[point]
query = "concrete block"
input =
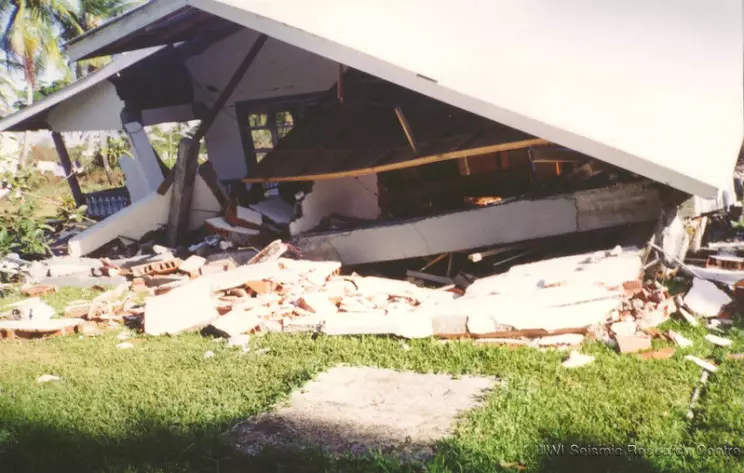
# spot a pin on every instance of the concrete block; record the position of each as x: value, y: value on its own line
x: 192, y: 264
x: 705, y: 299
x: 235, y: 323
x: 374, y: 323
x: 480, y: 324
x: 182, y: 308
x: 625, y: 328
x: 33, y: 309
x: 317, y: 303
x: 413, y: 325
x: 450, y: 325
x: 310, y: 323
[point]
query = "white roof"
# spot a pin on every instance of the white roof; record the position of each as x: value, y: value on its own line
x: 77, y: 87
x: 652, y: 86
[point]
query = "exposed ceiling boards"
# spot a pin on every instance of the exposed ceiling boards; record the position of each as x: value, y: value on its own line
x: 364, y: 136
x: 651, y: 86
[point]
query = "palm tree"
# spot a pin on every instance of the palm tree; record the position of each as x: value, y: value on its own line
x: 88, y: 15
x: 9, y: 92
x: 29, y: 40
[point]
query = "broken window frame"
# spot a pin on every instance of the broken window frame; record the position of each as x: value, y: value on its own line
x: 296, y: 106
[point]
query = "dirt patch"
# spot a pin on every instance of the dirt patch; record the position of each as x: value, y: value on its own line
x: 354, y: 410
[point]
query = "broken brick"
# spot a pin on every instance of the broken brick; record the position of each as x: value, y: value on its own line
x: 662, y: 354
x: 632, y: 287
x: 260, y: 287
x: 40, y: 290
x: 633, y: 343
x: 159, y: 267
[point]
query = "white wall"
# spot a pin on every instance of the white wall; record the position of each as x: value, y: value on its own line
x: 348, y: 196
x: 278, y: 70
x: 225, y: 147
x: 97, y: 108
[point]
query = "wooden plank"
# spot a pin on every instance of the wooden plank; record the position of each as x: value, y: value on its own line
x: 429, y: 277
x: 406, y: 129
x: 64, y: 158
x: 434, y: 261
x: 184, y: 173
x: 459, y: 154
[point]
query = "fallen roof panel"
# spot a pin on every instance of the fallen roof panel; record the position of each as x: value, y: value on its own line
x: 654, y: 87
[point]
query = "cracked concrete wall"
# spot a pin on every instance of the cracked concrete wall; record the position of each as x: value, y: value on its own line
x: 499, y: 224
x: 348, y: 196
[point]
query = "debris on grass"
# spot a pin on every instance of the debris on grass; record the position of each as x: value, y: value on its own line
x: 706, y: 365
x: 720, y: 341
x: 679, y: 339
x: 124, y: 346
x: 704, y: 298
x: 696, y: 392
x: 633, y: 343
x: 31, y: 309
x: 577, y: 360
x: 45, y: 378
x: 662, y: 354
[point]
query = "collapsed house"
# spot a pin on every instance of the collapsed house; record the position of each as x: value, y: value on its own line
x: 445, y: 134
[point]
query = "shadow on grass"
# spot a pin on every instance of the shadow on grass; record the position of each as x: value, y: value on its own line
x: 39, y: 448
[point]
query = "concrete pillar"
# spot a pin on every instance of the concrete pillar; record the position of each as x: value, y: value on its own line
x: 145, y: 154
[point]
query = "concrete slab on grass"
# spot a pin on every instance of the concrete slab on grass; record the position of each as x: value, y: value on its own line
x: 355, y: 410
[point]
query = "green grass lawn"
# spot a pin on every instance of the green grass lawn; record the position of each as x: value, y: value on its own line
x: 162, y: 407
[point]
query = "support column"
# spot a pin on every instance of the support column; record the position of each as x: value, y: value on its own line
x: 64, y: 158
x: 145, y: 154
x: 188, y: 152
x: 184, y: 173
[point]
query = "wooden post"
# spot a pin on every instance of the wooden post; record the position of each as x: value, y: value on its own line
x: 64, y: 158
x: 184, y: 173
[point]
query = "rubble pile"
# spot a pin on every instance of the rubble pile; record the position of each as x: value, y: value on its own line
x: 648, y: 306
x: 556, y: 302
